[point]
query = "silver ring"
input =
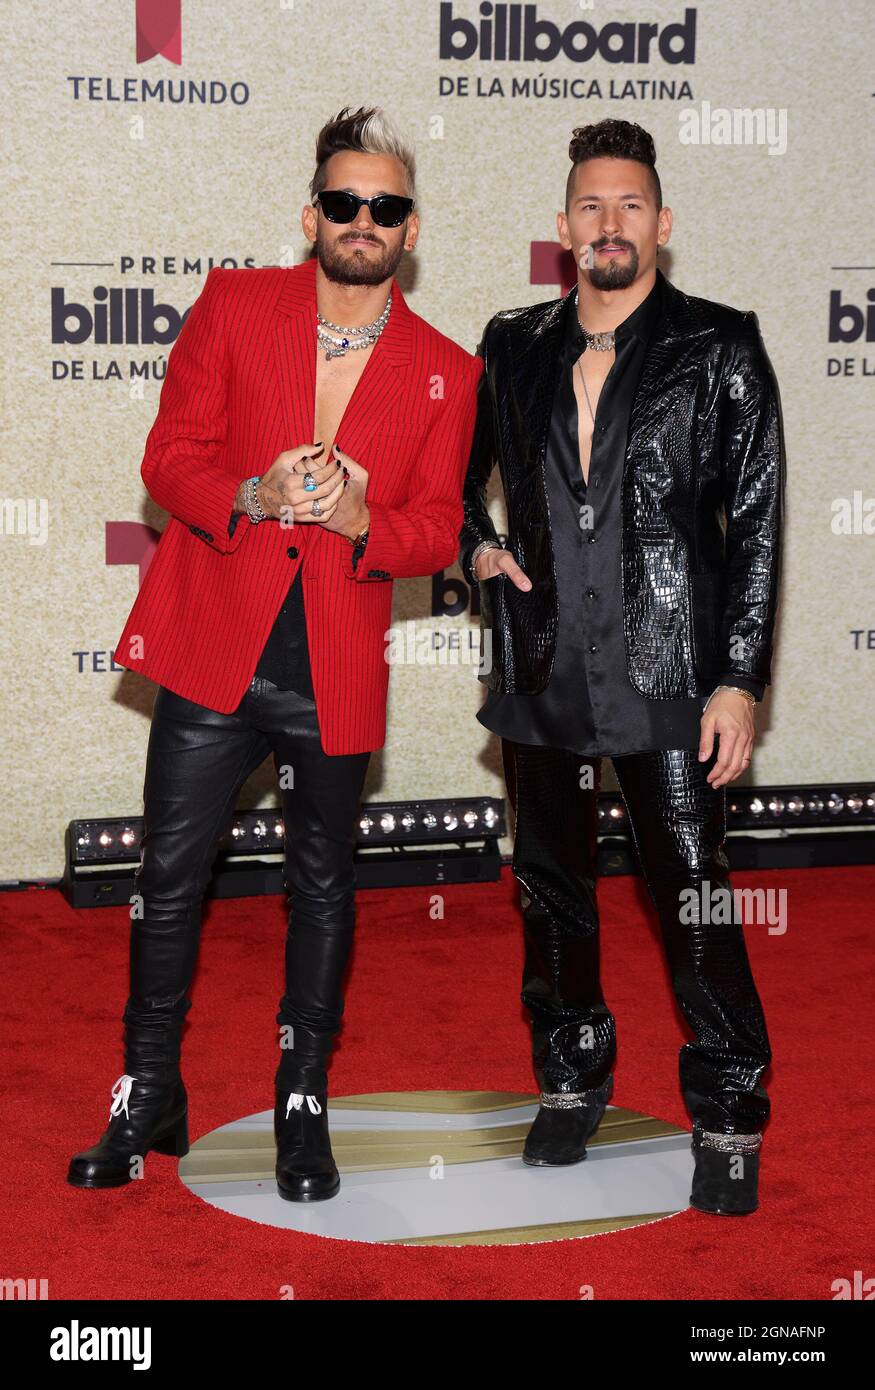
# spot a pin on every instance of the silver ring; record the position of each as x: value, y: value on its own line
x: 316, y: 509
x: 310, y: 484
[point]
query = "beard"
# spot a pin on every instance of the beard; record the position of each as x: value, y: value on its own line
x: 356, y: 266
x: 615, y: 275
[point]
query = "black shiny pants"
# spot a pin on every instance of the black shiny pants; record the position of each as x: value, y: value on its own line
x: 197, y: 763
x: 678, y: 823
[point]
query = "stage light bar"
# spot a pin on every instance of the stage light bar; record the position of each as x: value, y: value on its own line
x: 430, y: 822
x: 104, y: 841
x: 771, y: 808
x: 397, y: 842
x: 117, y: 841
x: 456, y: 840
x: 783, y: 808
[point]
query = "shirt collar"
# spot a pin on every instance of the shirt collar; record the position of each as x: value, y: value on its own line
x: 641, y: 322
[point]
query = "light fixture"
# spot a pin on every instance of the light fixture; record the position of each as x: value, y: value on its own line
x: 448, y: 840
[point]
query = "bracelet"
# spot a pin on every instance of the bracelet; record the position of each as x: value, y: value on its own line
x: 748, y: 694
x: 478, y: 550
x: 254, y: 509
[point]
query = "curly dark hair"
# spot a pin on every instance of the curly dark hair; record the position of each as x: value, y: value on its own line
x: 612, y: 139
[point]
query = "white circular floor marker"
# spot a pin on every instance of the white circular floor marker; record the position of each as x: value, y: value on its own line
x: 445, y: 1168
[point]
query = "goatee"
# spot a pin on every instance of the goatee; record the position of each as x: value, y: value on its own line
x: 615, y: 275
x: 356, y: 266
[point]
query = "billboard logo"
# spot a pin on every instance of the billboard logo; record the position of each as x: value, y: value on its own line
x: 848, y: 322
x: 124, y: 316
x: 514, y: 33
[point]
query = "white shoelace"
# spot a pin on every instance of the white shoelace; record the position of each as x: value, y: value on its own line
x: 296, y: 1102
x: 120, y: 1092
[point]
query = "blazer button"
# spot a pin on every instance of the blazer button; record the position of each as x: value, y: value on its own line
x: 292, y: 552
x: 590, y: 593
x: 591, y: 538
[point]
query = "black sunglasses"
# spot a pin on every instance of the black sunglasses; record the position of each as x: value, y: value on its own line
x: 387, y: 209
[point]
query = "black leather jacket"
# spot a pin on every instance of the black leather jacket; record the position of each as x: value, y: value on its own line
x: 702, y: 499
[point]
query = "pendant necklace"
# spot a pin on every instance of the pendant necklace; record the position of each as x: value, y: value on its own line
x: 362, y: 336
x: 599, y: 342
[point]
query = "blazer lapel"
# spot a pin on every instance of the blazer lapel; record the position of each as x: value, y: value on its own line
x: 295, y: 356
x: 536, y: 357
x: 679, y: 338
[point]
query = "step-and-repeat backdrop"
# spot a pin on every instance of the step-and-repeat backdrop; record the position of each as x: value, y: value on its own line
x: 150, y: 139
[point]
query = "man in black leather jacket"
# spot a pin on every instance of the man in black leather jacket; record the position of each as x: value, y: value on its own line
x: 638, y: 435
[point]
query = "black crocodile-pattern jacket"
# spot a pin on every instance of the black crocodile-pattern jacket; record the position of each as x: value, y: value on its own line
x: 702, y: 499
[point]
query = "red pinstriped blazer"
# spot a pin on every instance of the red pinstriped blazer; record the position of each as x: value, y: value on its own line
x: 239, y: 389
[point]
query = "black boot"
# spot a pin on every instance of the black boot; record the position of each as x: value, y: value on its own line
x: 149, y: 1111
x: 305, y: 1167
x: 563, y: 1125
x: 726, y: 1172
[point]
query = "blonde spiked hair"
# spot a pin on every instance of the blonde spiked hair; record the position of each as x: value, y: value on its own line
x: 368, y: 130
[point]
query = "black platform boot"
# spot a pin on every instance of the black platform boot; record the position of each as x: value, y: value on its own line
x: 726, y: 1173
x: 149, y: 1112
x: 563, y: 1125
x: 305, y: 1167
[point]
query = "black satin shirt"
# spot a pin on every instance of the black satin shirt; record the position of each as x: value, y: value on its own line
x: 589, y: 704
x: 285, y: 658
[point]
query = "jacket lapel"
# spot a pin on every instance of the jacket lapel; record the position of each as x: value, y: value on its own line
x: 535, y: 363
x: 295, y: 359
x: 679, y: 338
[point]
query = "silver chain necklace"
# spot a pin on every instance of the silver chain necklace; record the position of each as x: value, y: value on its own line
x: 585, y: 392
x: 599, y: 347
x: 359, y: 336
x: 599, y: 342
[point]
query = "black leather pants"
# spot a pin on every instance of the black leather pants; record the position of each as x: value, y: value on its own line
x: 197, y: 763
x: 678, y: 822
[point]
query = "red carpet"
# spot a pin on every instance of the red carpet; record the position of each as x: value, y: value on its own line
x: 431, y: 1006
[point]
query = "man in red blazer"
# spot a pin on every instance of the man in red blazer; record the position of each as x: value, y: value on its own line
x: 310, y: 446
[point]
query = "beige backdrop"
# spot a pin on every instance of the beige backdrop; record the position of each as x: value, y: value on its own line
x: 92, y: 179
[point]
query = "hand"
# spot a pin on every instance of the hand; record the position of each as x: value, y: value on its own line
x: 731, y: 716
x: 281, y: 490
x: 351, y: 513
x: 492, y: 562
